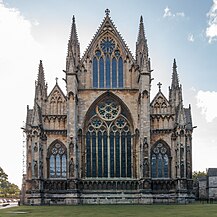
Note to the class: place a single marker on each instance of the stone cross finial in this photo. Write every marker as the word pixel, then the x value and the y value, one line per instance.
pixel 56 80
pixel 159 85
pixel 107 12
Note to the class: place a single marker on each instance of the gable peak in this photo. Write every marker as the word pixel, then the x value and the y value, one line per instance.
pixel 107 26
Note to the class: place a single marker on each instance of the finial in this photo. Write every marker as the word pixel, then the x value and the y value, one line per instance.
pixel 56 80
pixel 73 19
pixel 141 19
pixel 107 12
pixel 159 85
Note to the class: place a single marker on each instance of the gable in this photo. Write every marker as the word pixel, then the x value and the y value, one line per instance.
pixel 56 104
pixel 160 104
pixel 107 30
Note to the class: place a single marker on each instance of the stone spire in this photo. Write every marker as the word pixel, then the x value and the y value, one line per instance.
pixel 175 91
pixel 41 77
pixel 40 86
pixel 73 56
pixel 73 35
pixel 141 35
pixel 142 47
pixel 175 79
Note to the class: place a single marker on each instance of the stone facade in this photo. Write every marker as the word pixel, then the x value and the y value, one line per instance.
pixel 212 183
pixel 105 141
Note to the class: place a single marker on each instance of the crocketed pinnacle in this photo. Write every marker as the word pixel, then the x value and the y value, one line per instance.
pixel 175 79
pixel 41 77
pixel 141 35
pixel 73 35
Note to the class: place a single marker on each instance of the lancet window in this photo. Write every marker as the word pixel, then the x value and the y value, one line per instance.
pixel 57 161
pixel 108 141
pixel 160 161
pixel 108 65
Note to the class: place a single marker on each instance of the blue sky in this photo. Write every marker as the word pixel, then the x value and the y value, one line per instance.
pixel 33 30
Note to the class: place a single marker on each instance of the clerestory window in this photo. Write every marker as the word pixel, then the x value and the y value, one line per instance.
pixel 108 65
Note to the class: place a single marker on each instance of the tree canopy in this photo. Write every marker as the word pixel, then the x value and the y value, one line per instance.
pixel 7 189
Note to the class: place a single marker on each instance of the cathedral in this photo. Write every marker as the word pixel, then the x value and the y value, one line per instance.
pixel 103 140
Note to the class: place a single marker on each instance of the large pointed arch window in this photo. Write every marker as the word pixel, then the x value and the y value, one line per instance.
pixel 57 160
pixel 108 141
pixel 160 161
pixel 107 65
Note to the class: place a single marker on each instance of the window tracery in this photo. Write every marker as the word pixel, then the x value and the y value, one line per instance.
pixel 57 161
pixel 160 161
pixel 108 141
pixel 107 65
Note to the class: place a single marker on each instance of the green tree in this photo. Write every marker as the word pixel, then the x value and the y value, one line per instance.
pixel 7 189
pixel 197 174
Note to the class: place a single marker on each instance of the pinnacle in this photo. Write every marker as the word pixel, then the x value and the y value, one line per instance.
pixel 175 79
pixel 41 78
pixel 73 35
pixel 141 35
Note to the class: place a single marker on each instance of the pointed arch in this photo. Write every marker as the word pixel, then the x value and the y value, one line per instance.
pixel 57 158
pixel 160 160
pixel 108 143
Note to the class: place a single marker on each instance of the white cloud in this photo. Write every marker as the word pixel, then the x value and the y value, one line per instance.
pixel 19 58
pixel 190 37
pixel 211 30
pixel 19 53
pixel 207 101
pixel 168 13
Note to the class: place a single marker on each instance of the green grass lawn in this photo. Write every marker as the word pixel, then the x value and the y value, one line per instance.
pixel 193 210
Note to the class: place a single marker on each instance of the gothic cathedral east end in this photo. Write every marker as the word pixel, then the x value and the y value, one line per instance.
pixel 104 141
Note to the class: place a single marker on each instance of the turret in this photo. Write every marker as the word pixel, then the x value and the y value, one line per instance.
pixel 144 73
pixel 72 63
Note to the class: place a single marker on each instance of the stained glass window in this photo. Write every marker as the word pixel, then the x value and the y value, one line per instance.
pixel 95 72
pixel 113 141
pixel 57 161
pixel 108 65
pixel 160 161
pixel 120 73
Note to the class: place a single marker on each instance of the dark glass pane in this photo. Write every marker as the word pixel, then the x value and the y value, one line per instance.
pixel 120 73
pixel 64 165
pixel 160 165
pixel 52 166
pixel 111 154
pixel 117 150
pixel 101 73
pixel 95 72
pixel 114 73
pixel 108 74
pixel 153 166
pixel 58 167
pixel 128 154
pixel 99 154
pixel 88 155
pixel 93 154
pixel 105 149
pixel 123 155
pixel 166 166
